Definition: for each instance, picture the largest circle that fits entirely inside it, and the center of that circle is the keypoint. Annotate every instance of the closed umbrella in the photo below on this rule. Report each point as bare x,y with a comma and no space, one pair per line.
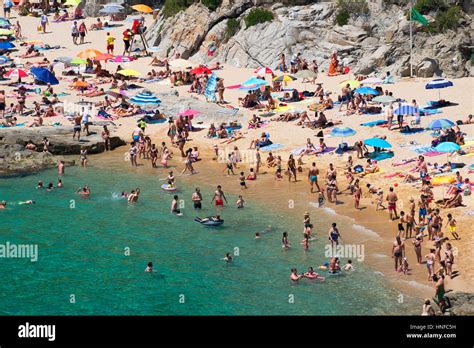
44,75
441,123
406,110
385,99
378,142
366,90
438,84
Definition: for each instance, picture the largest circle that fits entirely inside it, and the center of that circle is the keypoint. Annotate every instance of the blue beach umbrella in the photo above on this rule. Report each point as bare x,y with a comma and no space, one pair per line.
438,84
44,75
6,45
145,98
253,81
366,90
447,146
110,10
406,110
440,124
377,142
4,59
342,132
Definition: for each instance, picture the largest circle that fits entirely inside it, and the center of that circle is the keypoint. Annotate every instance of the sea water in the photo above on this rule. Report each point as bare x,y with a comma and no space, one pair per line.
92,255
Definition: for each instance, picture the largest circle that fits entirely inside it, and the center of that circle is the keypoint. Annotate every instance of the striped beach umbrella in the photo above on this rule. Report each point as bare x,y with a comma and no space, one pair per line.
366,90
438,84
145,98
15,73
378,142
263,71
441,123
406,110
285,78
342,132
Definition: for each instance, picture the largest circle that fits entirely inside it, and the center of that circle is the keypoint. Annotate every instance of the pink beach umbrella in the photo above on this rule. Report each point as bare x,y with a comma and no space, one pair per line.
263,71
15,73
120,59
188,112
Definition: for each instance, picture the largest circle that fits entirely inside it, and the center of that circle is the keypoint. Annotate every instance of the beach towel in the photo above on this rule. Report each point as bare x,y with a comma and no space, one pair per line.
432,153
373,123
380,156
392,175
426,112
283,108
411,131
152,80
422,148
403,162
272,147
380,171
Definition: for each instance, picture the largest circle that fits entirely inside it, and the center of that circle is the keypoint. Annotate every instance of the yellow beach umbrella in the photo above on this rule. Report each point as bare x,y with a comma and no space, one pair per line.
72,2
89,53
352,83
285,78
142,8
128,72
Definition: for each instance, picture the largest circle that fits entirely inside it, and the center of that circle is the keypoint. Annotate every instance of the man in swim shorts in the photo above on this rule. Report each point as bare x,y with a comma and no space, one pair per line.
313,177
392,204
174,205
398,251
219,197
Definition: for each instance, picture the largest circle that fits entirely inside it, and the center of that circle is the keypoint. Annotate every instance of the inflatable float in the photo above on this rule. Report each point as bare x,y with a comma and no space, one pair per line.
209,221
168,188
442,180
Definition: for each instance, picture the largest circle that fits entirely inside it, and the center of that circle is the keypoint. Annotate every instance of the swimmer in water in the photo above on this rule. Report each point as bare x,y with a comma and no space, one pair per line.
311,274
305,242
257,235
174,206
285,243
124,194
171,178
240,202
26,202
3,204
84,192
149,267
59,184
348,266
294,276
227,257
50,187
39,184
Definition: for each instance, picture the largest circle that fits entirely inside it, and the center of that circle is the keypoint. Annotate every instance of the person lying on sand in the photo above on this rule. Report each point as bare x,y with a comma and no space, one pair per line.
255,122
37,122
455,201
96,92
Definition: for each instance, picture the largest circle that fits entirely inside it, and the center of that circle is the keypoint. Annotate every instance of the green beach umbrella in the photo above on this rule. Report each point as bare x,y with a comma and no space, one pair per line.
78,61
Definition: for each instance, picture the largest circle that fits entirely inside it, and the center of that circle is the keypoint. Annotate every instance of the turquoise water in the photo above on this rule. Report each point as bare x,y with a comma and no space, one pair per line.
82,253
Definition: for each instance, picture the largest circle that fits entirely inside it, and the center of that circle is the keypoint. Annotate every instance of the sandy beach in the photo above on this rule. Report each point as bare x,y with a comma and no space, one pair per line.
291,137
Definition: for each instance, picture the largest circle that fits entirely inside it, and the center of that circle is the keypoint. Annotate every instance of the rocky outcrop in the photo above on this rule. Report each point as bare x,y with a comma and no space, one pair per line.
462,303
15,160
377,42
61,142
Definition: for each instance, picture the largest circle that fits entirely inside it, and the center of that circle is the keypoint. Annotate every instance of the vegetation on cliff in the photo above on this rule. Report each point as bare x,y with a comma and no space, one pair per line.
258,15
346,8
173,7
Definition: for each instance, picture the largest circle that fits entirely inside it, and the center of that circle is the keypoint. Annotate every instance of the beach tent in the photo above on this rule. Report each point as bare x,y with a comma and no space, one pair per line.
440,124
366,90
438,84
406,110
44,75
378,142
145,98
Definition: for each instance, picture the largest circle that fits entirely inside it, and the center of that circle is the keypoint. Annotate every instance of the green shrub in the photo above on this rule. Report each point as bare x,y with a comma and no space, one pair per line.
173,7
232,27
342,18
425,6
445,20
258,15
212,4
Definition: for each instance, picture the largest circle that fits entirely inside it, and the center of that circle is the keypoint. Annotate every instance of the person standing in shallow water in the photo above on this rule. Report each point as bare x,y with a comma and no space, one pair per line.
398,252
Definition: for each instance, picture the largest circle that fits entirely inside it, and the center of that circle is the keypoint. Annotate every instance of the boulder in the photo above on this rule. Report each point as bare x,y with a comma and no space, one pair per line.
427,68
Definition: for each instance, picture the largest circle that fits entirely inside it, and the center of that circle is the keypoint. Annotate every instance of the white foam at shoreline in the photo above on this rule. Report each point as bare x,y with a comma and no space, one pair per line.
415,284
366,231
379,255
329,211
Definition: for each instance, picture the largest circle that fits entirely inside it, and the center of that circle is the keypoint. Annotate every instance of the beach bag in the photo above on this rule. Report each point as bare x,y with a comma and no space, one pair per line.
358,168
39,28
343,147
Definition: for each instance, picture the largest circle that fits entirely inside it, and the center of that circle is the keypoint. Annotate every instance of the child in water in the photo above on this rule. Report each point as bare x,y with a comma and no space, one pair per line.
227,258
284,241
348,266
149,267
240,202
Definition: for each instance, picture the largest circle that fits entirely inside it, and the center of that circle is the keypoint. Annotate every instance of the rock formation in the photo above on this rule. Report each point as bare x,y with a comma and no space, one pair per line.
376,42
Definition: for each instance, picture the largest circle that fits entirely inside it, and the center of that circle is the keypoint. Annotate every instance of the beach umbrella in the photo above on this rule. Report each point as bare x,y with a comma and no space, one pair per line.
201,70
372,81
89,53
78,61
384,99
352,83
406,110
263,71
15,73
253,81
366,90
65,60
438,84
113,4
4,23
6,45
110,10
128,72
188,112
145,98
6,32
4,59
72,2
306,74
79,84
44,75
377,142
285,78
342,132
120,59
447,146
142,8
440,124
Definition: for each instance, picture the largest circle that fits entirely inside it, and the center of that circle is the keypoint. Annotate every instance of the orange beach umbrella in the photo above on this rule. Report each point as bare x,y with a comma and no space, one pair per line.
89,53
142,8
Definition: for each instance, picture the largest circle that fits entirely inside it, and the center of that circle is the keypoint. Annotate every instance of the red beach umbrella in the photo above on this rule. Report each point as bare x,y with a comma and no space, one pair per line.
200,70
16,73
